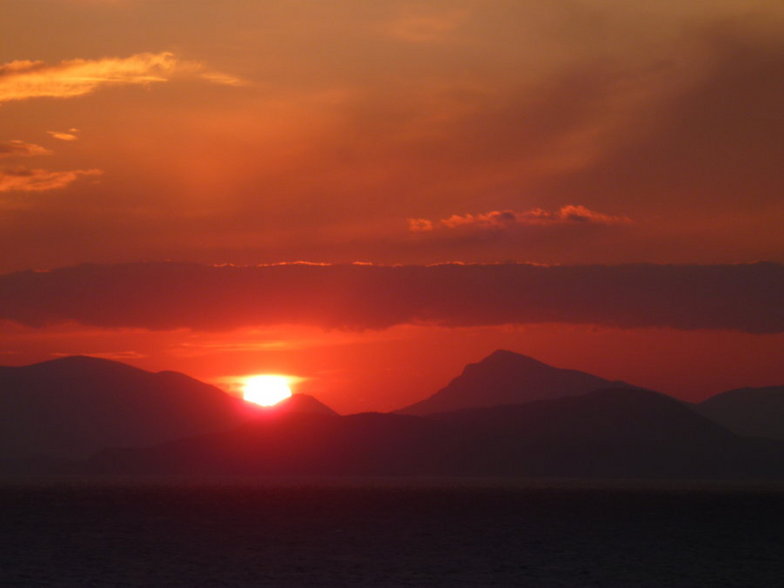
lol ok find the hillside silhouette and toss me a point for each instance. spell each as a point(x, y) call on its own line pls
point(74, 406)
point(296, 404)
point(619, 433)
point(505, 377)
point(754, 412)
point(537, 421)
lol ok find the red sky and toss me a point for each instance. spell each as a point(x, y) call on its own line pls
point(584, 135)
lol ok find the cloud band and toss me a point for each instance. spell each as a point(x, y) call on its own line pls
point(744, 297)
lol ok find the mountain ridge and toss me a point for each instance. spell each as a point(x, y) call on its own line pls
point(750, 411)
point(72, 406)
point(615, 433)
point(590, 427)
point(297, 403)
point(506, 377)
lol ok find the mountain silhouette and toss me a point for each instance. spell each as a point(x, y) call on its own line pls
point(618, 433)
point(754, 412)
point(298, 403)
point(132, 421)
point(505, 377)
point(74, 406)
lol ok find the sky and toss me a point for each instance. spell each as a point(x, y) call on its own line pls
point(369, 195)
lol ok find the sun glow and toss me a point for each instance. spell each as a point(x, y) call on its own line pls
point(266, 390)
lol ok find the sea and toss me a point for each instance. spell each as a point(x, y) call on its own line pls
point(388, 532)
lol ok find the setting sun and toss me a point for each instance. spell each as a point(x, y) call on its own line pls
point(266, 390)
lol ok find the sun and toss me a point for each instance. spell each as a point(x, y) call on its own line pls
point(266, 390)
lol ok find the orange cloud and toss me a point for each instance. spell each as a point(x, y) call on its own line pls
point(22, 80)
point(71, 135)
point(39, 180)
point(417, 225)
point(221, 79)
point(507, 219)
point(16, 148)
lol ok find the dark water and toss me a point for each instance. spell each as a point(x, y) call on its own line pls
point(388, 534)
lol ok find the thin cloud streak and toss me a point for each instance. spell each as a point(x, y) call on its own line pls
point(17, 148)
point(162, 296)
point(509, 219)
point(71, 135)
point(23, 80)
point(39, 180)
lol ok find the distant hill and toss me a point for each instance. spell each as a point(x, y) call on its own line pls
point(505, 377)
point(74, 406)
point(615, 433)
point(298, 403)
point(754, 412)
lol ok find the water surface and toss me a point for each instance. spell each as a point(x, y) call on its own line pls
point(382, 532)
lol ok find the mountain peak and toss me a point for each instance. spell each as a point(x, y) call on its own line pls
point(505, 356)
point(75, 405)
point(299, 403)
point(505, 377)
point(78, 360)
point(508, 353)
point(75, 365)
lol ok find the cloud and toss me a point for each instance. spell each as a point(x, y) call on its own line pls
point(71, 135)
point(22, 80)
point(16, 148)
point(743, 297)
point(38, 180)
point(222, 79)
point(419, 225)
point(680, 122)
point(509, 219)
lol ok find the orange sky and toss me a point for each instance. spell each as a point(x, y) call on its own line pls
point(243, 132)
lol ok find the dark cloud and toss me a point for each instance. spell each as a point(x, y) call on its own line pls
point(744, 297)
